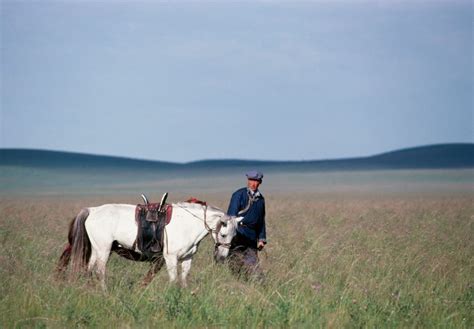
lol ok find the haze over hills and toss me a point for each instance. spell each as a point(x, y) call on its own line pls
point(442, 156)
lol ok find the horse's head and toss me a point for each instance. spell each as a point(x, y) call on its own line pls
point(226, 229)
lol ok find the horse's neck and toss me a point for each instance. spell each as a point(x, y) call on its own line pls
point(207, 215)
point(212, 217)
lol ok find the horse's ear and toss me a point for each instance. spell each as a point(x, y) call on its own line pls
point(238, 219)
point(225, 218)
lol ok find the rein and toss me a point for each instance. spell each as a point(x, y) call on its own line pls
point(208, 228)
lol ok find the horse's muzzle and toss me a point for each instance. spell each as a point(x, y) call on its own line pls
point(221, 252)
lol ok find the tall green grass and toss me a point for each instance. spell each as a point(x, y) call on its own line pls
point(338, 262)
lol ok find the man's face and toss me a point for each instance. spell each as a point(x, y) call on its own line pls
point(253, 184)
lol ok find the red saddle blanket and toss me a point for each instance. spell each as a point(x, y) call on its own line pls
point(194, 200)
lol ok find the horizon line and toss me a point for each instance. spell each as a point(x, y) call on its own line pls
point(234, 159)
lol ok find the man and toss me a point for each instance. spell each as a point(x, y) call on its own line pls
point(251, 233)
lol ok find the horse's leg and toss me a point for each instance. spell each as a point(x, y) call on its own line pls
point(92, 261)
point(156, 265)
point(172, 267)
point(185, 267)
point(99, 257)
point(101, 263)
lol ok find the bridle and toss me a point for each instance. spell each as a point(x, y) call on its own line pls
point(215, 231)
point(218, 244)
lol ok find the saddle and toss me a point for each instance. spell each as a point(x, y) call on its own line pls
point(151, 219)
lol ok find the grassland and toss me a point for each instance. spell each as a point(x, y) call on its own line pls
point(393, 252)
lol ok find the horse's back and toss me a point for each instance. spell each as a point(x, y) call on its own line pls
point(111, 222)
point(112, 208)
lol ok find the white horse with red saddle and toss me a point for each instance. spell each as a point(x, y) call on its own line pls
point(97, 231)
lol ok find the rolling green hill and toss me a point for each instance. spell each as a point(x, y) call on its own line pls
point(441, 156)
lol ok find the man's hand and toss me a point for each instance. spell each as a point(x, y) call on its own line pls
point(260, 245)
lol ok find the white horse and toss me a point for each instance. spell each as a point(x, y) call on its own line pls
point(97, 231)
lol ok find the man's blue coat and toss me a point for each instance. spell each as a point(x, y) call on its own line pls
point(252, 226)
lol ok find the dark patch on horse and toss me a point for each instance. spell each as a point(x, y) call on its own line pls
point(129, 254)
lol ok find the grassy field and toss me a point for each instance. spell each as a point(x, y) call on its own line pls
point(393, 252)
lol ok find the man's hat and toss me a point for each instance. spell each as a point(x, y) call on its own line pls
point(254, 175)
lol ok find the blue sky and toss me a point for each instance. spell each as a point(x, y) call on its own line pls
point(183, 81)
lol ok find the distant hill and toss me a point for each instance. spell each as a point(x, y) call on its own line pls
point(441, 156)
point(58, 159)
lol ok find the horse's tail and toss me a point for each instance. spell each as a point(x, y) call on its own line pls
point(78, 250)
point(64, 260)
